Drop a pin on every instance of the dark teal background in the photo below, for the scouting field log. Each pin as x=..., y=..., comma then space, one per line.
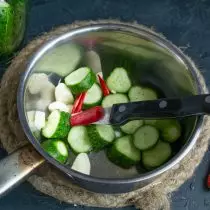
x=185, y=22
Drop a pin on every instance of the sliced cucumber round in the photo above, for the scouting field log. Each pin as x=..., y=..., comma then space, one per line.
x=100, y=136
x=123, y=153
x=131, y=126
x=62, y=59
x=138, y=93
x=93, y=97
x=56, y=149
x=78, y=139
x=157, y=155
x=170, y=129
x=111, y=99
x=119, y=80
x=80, y=80
x=57, y=125
x=145, y=137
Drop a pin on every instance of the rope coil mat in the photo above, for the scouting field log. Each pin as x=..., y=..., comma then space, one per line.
x=48, y=180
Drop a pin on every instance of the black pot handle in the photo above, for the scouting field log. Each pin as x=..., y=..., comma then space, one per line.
x=162, y=108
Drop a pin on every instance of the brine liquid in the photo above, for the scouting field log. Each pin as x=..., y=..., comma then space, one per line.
x=140, y=71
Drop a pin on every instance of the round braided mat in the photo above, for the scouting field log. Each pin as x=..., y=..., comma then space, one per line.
x=49, y=181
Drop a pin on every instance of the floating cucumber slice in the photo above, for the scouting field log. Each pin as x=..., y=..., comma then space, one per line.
x=124, y=153
x=157, y=155
x=145, y=137
x=111, y=99
x=57, y=125
x=56, y=149
x=62, y=60
x=93, y=97
x=131, y=126
x=170, y=129
x=119, y=80
x=80, y=80
x=100, y=136
x=78, y=139
x=138, y=93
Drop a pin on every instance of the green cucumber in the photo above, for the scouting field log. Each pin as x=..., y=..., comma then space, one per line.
x=100, y=136
x=123, y=153
x=62, y=59
x=78, y=139
x=157, y=155
x=143, y=51
x=93, y=97
x=56, y=149
x=138, y=93
x=170, y=129
x=119, y=80
x=6, y=27
x=80, y=80
x=13, y=17
x=117, y=98
x=131, y=126
x=57, y=125
x=20, y=8
x=145, y=137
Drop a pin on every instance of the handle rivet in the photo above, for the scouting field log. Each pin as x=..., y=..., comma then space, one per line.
x=207, y=99
x=122, y=108
x=163, y=104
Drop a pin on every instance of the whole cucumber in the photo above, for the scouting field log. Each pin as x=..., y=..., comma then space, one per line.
x=13, y=15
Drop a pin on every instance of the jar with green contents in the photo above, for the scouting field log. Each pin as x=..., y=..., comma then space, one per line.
x=13, y=17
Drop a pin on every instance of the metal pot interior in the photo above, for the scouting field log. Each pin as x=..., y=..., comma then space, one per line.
x=149, y=59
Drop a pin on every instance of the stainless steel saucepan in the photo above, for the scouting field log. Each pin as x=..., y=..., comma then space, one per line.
x=150, y=58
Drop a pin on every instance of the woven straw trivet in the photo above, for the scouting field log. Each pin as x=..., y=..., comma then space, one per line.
x=155, y=196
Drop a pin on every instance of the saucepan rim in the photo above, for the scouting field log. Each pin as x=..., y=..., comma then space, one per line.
x=137, y=31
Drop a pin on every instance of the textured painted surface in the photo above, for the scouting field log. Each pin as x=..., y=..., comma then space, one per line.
x=185, y=23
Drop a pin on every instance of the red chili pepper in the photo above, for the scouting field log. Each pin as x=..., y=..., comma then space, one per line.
x=88, y=116
x=208, y=181
x=104, y=87
x=77, y=107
